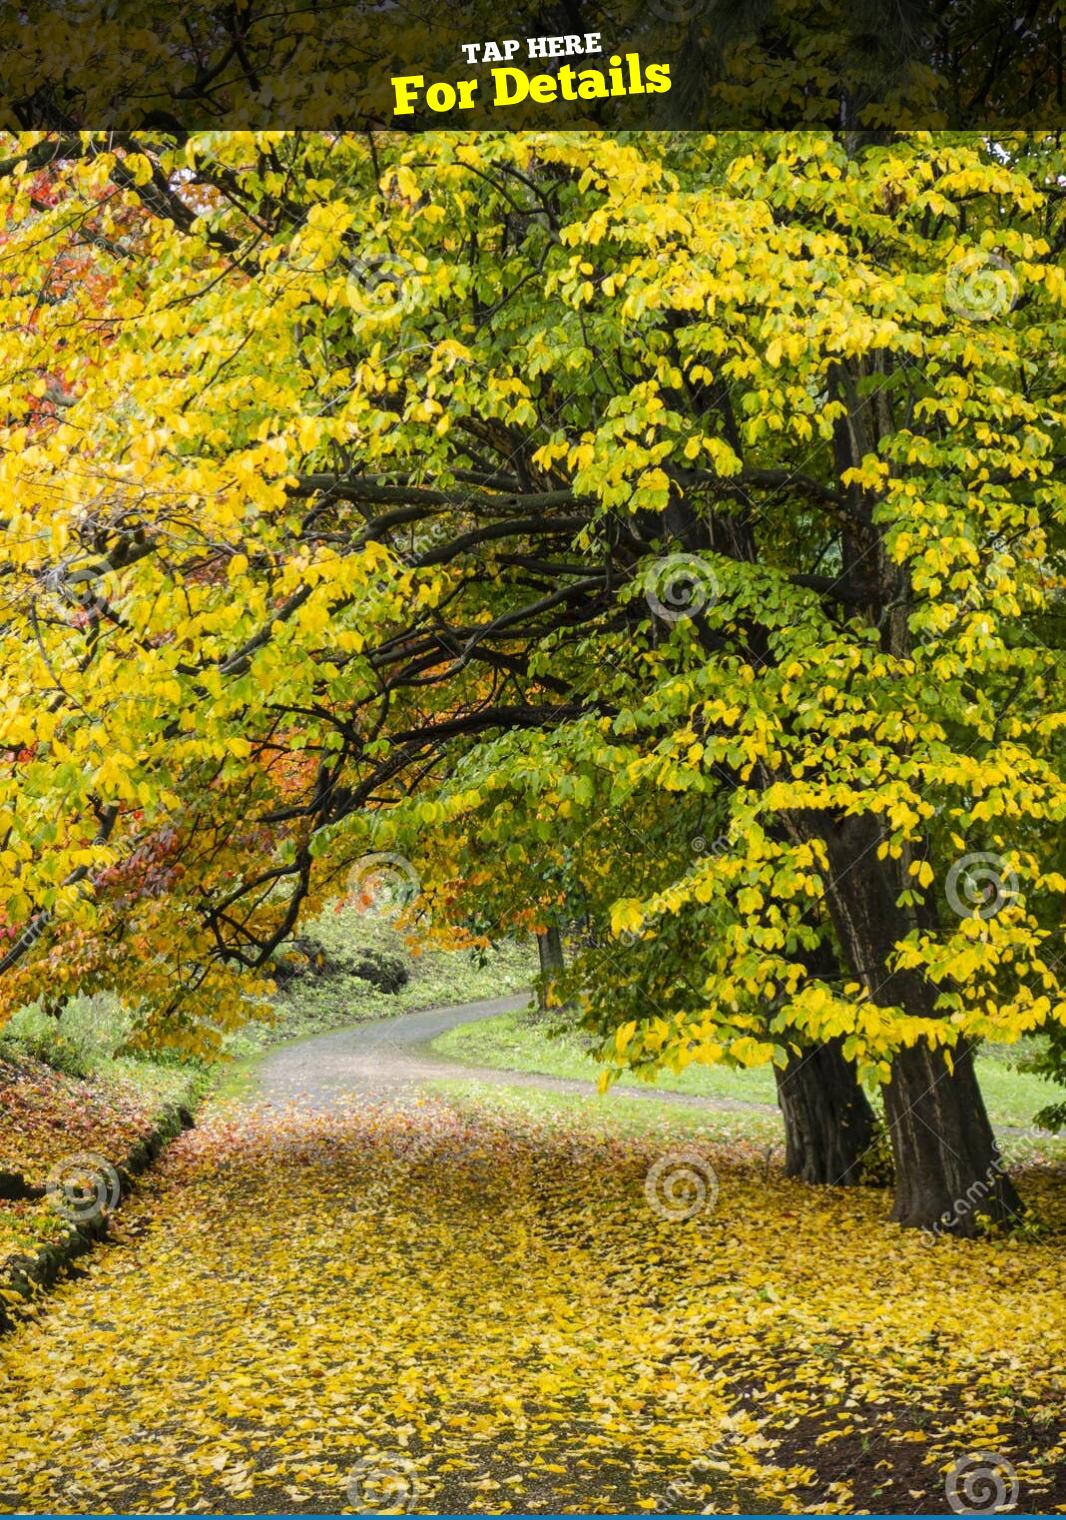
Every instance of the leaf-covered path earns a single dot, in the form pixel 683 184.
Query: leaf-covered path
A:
pixel 374 1300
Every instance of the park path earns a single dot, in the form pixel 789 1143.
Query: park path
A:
pixel 340 1293
pixel 394 1056
pixel 345 1294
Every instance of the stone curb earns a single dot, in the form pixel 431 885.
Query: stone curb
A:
pixel 30 1276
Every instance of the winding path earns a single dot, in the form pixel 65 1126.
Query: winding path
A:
pixel 349 1297
pixel 390 1055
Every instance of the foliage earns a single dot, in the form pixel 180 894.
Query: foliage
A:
pixel 496 1306
pixel 47 1115
pixel 754 1133
pixel 1052 1063
pixel 967 63
pixel 512 1041
pixel 529 507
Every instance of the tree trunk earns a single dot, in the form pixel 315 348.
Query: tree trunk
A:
pixel 550 951
pixel 948 1166
pixel 949 1170
pixel 829 1124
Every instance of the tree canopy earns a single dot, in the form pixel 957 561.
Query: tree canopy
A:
pixel 664 523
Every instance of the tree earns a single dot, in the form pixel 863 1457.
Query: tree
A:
pixel 809 63
pixel 427 483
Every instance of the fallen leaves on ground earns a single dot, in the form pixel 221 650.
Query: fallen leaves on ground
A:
pixel 422 1309
pixel 46 1116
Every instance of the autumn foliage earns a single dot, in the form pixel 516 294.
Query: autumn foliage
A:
pixel 532 506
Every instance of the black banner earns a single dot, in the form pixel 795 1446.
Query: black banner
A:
pixel 614 64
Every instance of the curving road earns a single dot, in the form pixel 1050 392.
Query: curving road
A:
pixel 391 1055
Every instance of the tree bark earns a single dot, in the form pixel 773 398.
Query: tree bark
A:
pixel 829 1124
pixel 949 1171
pixel 950 1176
pixel 550 951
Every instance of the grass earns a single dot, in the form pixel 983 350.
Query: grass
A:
pixel 614 1114
pixel 514 1042
pixel 66 1088
pixel 56 1070
pixel 87 1040
pixel 523 1317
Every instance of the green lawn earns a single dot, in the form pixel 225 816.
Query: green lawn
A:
pixel 757 1131
pixel 89 1036
pixel 88 1039
pixel 513 1042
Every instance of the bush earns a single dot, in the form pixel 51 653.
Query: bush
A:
pixel 77 1041
pixel 307 957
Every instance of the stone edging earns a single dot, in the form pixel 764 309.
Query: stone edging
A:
pixel 29 1276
